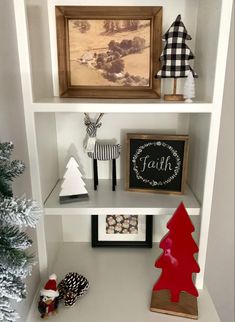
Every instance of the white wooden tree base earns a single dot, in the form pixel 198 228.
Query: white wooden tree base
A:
pixel 73 198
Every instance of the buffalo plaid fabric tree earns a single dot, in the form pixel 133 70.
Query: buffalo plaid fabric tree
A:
pixel 175 56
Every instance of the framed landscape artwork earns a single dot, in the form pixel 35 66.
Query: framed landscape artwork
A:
pixel 122 230
pixel 157 163
pixel 108 52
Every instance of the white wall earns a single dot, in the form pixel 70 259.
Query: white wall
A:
pixel 12 125
pixel 219 276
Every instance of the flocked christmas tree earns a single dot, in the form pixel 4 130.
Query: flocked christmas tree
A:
pixel 73 186
pixel 178 264
pixel 15 215
pixel 175 57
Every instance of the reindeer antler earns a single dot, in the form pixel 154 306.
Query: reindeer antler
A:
pixel 87 120
pixel 99 117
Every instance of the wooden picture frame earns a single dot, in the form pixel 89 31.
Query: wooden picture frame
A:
pixel 100 68
pixel 142 238
pixel 157 163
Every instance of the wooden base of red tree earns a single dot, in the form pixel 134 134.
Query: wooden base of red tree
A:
pixel 186 307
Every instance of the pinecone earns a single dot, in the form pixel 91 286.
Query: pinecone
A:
pixel 72 287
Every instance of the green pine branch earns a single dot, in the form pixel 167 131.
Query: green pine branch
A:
pixel 13 257
pixel 12 237
pixel 5 189
pixel 6 149
pixel 19 211
pixel 12 286
pixel 8 169
pixel 16 261
pixel 7 314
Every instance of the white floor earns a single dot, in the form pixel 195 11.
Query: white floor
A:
pixel 121 281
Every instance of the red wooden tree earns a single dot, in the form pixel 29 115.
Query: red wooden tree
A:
pixel 177 260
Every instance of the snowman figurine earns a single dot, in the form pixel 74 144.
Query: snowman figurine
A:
pixel 49 298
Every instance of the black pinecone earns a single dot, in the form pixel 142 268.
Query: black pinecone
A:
pixel 72 287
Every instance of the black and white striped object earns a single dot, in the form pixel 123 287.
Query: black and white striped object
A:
pixel 72 287
pixel 91 127
pixel 105 152
pixel 176 54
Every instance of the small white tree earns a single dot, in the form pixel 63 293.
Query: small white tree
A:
pixel 189 88
pixel 73 186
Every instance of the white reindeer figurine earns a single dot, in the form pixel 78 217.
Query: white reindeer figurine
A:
pixel 100 151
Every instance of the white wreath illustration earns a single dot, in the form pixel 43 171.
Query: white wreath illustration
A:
pixel 154 183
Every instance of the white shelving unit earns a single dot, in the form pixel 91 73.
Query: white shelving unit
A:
pixel 55 131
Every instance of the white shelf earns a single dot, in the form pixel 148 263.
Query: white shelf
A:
pixel 104 201
pixel 57 104
pixel 121 282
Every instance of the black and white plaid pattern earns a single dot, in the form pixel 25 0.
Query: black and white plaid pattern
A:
pixel 176 53
pixel 72 287
pixel 104 152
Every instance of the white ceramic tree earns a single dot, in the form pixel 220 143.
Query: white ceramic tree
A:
pixel 73 186
pixel 189 88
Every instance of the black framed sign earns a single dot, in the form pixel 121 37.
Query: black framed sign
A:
pixel 157 163
pixel 122 230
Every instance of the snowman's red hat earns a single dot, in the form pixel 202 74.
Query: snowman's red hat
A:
pixel 50 288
